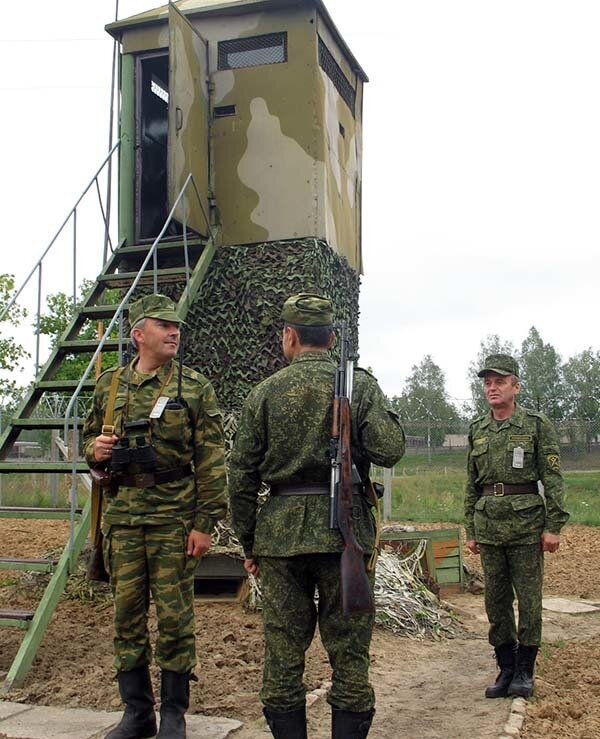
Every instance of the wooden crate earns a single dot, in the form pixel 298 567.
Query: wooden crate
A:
pixel 220 577
pixel 442 563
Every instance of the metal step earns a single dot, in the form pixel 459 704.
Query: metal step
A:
pixel 97 312
pixel 27 467
pixel 23 424
pixel 28 565
pixel 55 514
pixel 18 619
pixel 124 279
pixel 81 346
pixel 59 386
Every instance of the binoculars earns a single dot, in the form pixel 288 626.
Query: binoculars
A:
pixel 125 454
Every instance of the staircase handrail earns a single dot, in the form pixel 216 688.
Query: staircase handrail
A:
pixel 36 266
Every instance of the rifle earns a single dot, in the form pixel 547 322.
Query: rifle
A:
pixel 357 596
pixel 96 571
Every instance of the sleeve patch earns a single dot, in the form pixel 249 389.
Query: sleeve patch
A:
pixel 553 462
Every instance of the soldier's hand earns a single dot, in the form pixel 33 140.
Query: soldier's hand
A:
pixel 550 542
pixel 251 567
pixel 472 546
pixel 103 447
pixel 198 544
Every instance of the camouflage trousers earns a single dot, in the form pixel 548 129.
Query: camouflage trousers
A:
pixel 290 617
pixel 145 560
pixel 510 570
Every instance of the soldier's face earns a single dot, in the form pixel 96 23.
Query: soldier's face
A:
pixel 500 390
pixel 158 340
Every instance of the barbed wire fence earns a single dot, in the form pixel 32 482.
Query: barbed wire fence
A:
pixel 436 445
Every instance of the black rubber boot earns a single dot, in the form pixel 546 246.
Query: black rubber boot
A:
pixel 349 724
pixel 506 657
pixel 139 721
pixel 174 702
pixel 522 682
pixel 287 724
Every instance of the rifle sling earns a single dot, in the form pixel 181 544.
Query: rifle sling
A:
pixel 96 488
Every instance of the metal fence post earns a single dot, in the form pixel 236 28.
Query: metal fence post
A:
pixel 387 494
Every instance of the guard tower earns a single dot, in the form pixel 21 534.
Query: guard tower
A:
pixel 240 151
pixel 262 101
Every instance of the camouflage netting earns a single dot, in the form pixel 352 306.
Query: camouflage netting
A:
pixel 234 327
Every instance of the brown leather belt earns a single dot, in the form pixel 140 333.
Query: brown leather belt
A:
pixel 498 489
pixel 300 488
pixel 150 479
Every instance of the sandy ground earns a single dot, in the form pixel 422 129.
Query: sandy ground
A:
pixel 425 689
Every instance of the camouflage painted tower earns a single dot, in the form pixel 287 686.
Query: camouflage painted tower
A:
pixel 261 100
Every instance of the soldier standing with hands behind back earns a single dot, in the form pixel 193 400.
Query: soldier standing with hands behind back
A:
pixel 506 519
pixel 166 455
pixel 283 439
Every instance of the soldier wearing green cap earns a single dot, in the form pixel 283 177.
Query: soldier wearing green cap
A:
pixel 165 451
pixel 283 440
pixel 511 451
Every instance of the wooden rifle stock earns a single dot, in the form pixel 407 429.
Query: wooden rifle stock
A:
pixel 357 595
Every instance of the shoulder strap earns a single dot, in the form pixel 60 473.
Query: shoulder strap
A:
pixel 110 404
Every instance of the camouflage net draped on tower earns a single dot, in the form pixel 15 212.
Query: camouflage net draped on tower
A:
pixel 234 325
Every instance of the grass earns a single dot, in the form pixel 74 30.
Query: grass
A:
pixel 33 490
pixel 432 497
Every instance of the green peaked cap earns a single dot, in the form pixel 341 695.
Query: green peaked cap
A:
pixel 501 364
pixel 307 309
pixel 153 306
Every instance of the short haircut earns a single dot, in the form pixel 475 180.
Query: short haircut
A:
pixel 139 324
pixel 317 336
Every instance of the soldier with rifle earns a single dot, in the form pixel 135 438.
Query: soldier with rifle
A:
pixel 156 430
pixel 310 432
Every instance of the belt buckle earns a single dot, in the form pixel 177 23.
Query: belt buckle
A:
pixel 501 493
pixel 144 479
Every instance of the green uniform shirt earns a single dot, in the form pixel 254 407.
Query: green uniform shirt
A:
pixel 513 519
pixel 188 435
pixel 283 437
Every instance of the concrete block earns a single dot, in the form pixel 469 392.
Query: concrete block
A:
pixel 7 708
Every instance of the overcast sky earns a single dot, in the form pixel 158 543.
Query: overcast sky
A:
pixel 481 177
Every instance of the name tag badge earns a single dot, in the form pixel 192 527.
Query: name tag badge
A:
pixel 159 407
pixel 518 457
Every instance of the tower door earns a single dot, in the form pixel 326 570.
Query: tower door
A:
pixel 188 130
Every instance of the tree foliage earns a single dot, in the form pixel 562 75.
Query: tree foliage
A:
pixel 424 398
pixel 11 354
pixel 541 376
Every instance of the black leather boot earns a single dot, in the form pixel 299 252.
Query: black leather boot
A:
pixel 287 724
pixel 139 721
pixel 174 702
pixel 506 656
pixel 350 724
pixel 522 682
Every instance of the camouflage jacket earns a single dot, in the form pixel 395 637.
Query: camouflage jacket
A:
pixel 513 519
pixel 189 435
pixel 283 437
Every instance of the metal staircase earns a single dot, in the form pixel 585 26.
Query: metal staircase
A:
pixel 182 266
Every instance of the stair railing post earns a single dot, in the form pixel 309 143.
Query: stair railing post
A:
pixel 38 319
pixel 74 258
pixel 54 456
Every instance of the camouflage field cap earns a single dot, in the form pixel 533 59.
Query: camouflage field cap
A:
pixel 153 306
pixel 501 364
pixel 307 309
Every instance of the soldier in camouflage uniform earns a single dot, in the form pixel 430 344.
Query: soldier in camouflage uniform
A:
pixel 283 440
pixel 509 522
pixel 157 523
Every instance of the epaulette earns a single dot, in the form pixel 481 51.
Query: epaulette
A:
pixel 106 371
pixel 366 371
pixel 478 419
pixel 194 375
pixel 531 412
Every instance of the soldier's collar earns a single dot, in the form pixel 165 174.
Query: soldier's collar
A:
pixel 160 372
pixel 515 420
pixel 311 357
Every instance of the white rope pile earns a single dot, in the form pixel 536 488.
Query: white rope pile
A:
pixel 404 604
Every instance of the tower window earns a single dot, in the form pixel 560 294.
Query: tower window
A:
pixel 333 70
pixel 253 51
